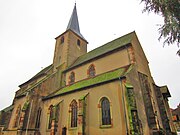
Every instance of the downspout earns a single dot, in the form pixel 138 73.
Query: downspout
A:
pixel 123 102
pixel 84 114
pixel 28 118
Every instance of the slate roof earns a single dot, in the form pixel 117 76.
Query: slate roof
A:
pixel 97 80
pixel 106 48
pixel 74 23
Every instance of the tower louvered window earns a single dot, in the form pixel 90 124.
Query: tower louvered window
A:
pixel 62 39
pixel 78 42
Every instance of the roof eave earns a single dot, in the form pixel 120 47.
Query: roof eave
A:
pixel 165 91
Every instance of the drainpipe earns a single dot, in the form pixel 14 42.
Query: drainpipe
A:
pixel 123 102
pixel 84 109
pixel 29 118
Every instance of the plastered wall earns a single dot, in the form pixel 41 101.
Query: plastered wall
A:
pixel 110 90
pixel 102 65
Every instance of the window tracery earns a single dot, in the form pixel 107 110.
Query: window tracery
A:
pixel 73 111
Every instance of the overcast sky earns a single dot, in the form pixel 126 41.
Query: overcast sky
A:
pixel 28 29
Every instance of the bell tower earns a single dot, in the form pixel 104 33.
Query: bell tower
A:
pixel 70 44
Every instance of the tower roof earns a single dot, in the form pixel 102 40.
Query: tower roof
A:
pixel 74 23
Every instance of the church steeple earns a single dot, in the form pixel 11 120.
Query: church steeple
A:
pixel 70 44
pixel 74 23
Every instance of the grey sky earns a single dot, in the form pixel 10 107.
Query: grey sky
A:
pixel 28 29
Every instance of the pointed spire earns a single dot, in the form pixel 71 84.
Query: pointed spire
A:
pixel 74 23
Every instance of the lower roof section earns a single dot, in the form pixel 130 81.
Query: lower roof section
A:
pixel 89 82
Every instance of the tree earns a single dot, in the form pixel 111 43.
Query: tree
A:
pixel 170 11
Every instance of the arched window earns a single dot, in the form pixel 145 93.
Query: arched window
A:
pixel 57 112
pixel 105 111
pixel 72 78
pixel 91 71
pixel 73 112
pixel 17 116
pixel 38 118
pixel 62 39
pixel 50 116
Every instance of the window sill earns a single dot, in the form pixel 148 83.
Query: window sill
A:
pixel 105 126
pixel 14 128
pixel 73 128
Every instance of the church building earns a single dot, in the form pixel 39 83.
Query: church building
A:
pixel 107 91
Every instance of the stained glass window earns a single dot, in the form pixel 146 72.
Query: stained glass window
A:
pixel 91 71
pixel 50 116
pixel 72 78
pixel 38 117
pixel 105 109
pixel 57 112
pixel 73 113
